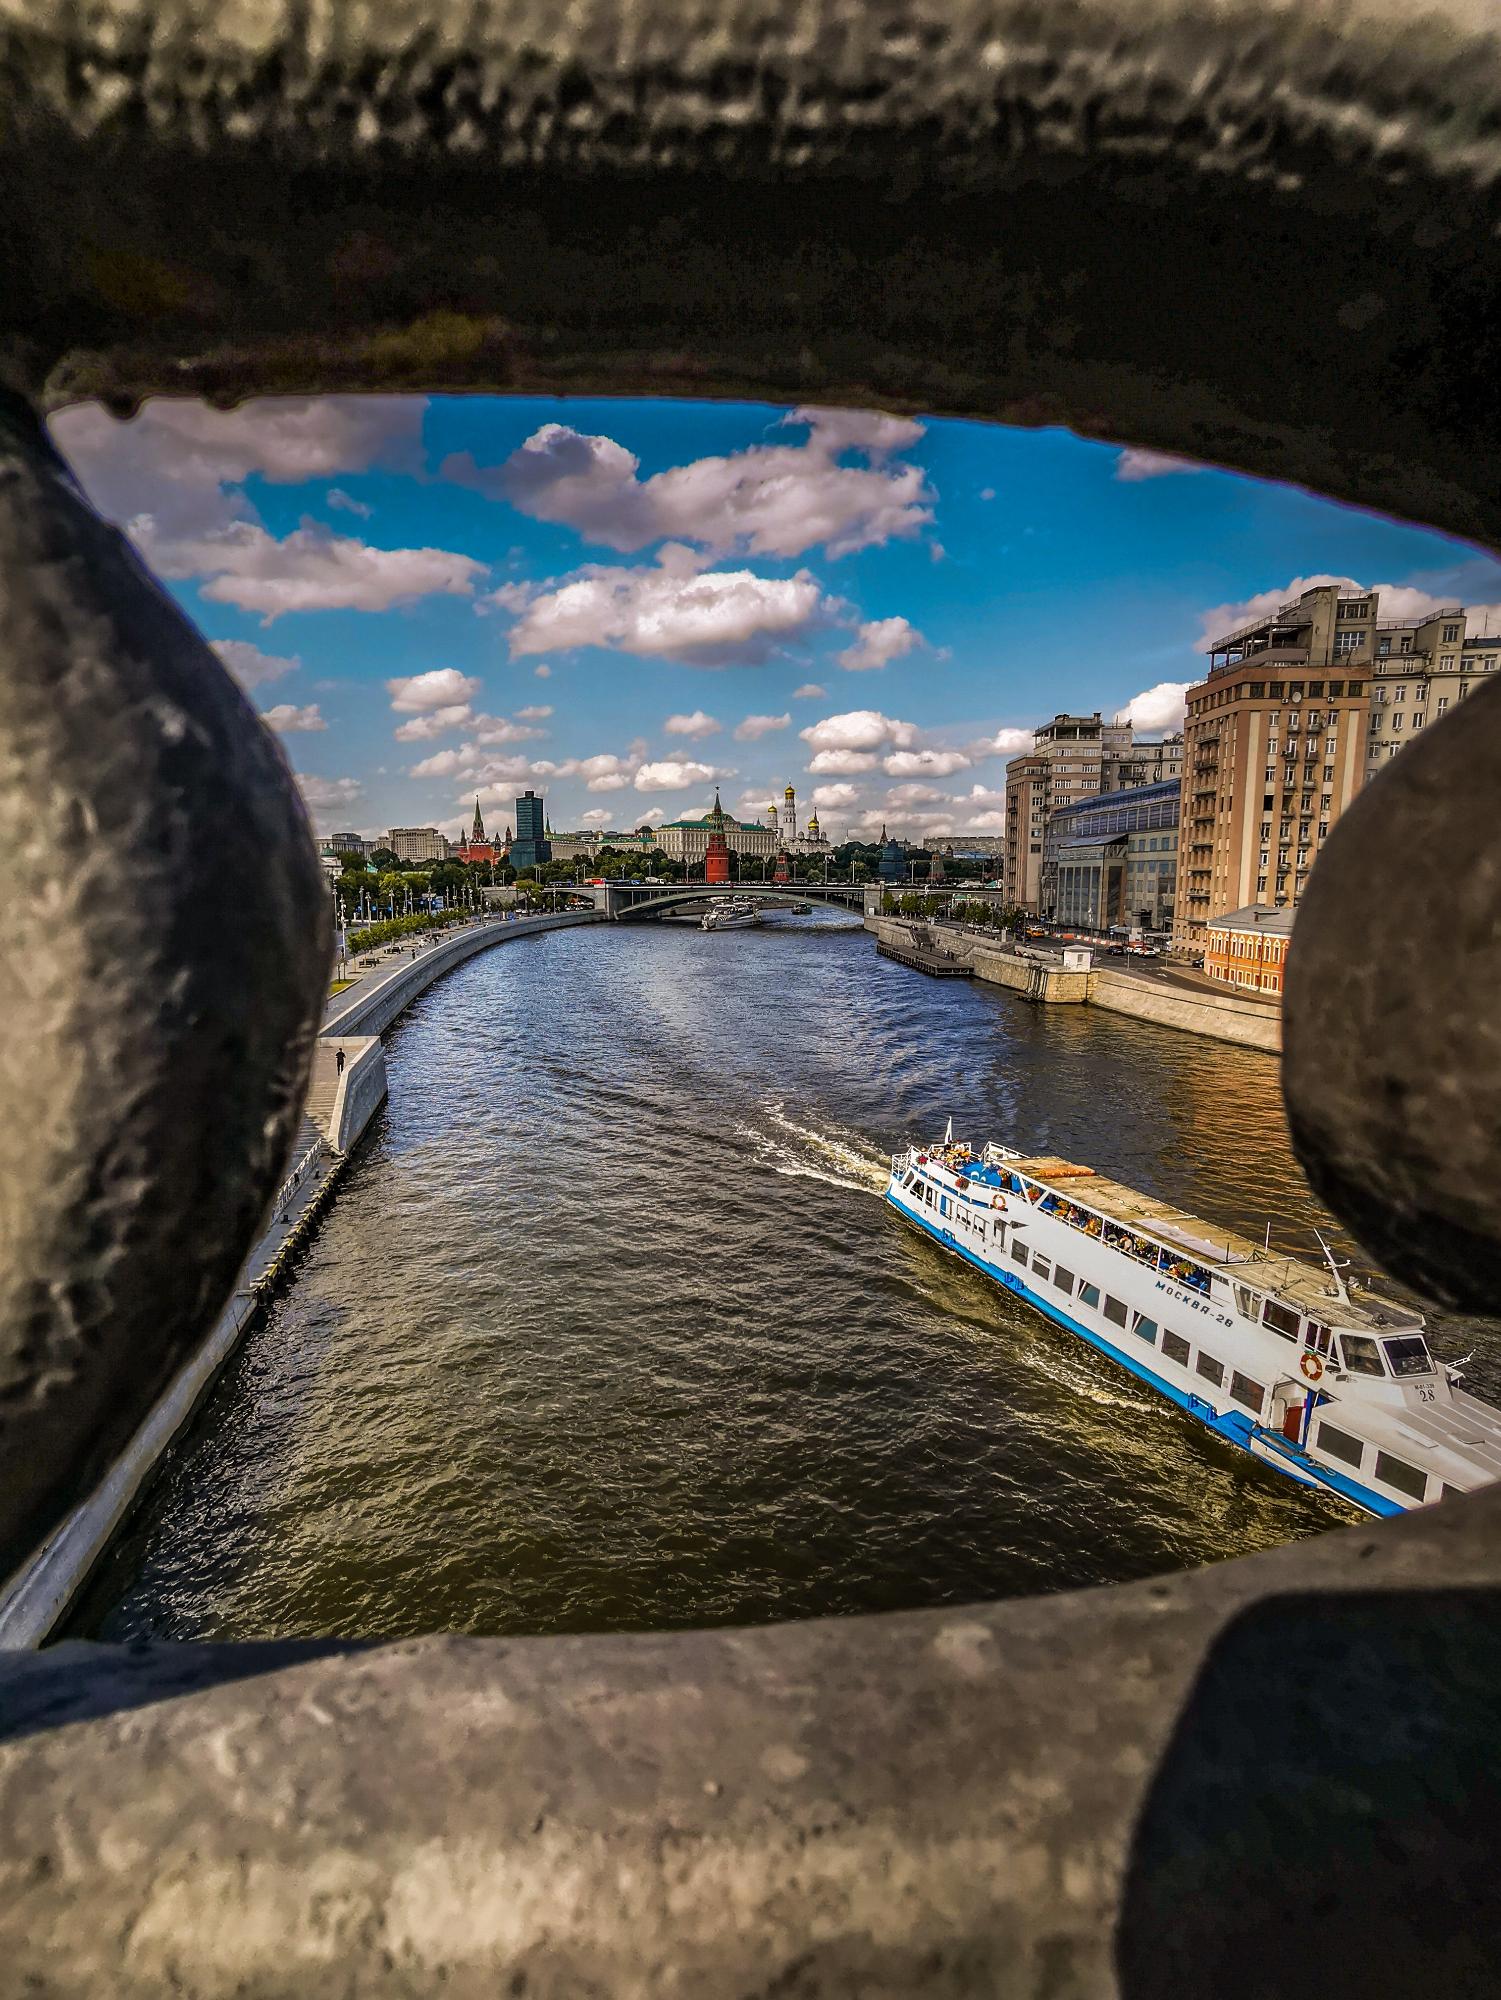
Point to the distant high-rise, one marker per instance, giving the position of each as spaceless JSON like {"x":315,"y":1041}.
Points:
{"x":531,"y":844}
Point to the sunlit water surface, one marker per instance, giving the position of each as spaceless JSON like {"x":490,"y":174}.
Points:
{"x":609,"y":1326}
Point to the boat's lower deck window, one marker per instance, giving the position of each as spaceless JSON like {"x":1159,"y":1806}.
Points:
{"x":1339,"y":1444}
{"x":1212,"y":1370}
{"x":1018,"y":1250}
{"x":1175,"y":1347}
{"x":1064,"y":1280}
{"x":1244,"y":1390}
{"x":1042,"y":1265}
{"x":1397,"y":1472}
{"x":1115,"y":1310}
{"x":1452,"y":1492}
{"x":1089,"y":1295}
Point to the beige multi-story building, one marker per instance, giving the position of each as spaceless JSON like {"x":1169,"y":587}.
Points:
{"x":1072,"y":757}
{"x":1423,"y":668}
{"x":417,"y":843}
{"x":1274,"y":750}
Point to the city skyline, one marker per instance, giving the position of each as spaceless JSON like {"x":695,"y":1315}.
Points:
{"x":623,"y":604}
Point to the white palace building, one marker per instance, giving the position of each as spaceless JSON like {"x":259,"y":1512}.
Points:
{"x":687,"y":840}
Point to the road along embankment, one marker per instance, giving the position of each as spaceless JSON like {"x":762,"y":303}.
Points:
{"x":342,"y":1100}
{"x":1224,"y":1017}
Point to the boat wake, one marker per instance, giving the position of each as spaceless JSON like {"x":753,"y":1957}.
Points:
{"x":801,"y":1152}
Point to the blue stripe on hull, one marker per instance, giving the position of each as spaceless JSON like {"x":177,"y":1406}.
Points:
{"x":1231,"y":1426}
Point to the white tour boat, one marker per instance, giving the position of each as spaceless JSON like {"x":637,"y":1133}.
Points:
{"x":731,"y":913}
{"x":1272,"y":1354}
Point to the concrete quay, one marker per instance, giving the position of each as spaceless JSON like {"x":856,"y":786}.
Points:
{"x":340,"y":1105}
{"x":1169,"y":1001}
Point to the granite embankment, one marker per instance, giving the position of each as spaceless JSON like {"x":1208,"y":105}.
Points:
{"x":1169,"y":999}
{"x":342,"y":1100}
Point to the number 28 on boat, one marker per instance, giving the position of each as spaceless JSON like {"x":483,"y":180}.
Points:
{"x":1272,"y":1354}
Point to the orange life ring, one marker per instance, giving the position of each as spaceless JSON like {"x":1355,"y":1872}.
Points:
{"x":1000,"y":1203}
{"x":1311,"y":1365}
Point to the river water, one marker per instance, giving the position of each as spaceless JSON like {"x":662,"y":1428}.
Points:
{"x":608,"y":1326}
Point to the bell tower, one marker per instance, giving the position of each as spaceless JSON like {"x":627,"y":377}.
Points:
{"x":717,"y":855}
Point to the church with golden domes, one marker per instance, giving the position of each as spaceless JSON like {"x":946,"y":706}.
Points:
{"x":782,"y":821}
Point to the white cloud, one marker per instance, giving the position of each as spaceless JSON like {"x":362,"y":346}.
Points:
{"x":1398,"y":600}
{"x":771,"y":499}
{"x":448,"y":763}
{"x":675,"y":775}
{"x":328,"y":799}
{"x":440,"y":687}
{"x":828,"y":763}
{"x":436,"y":722}
{"x":250,"y":666}
{"x":1009,"y":742}
{"x":596,"y":816}
{"x":670,"y":611}
{"x":835,"y":798}
{"x":878,"y":643}
{"x":695,"y":725}
{"x":987,"y":493}
{"x":1138,"y":463}
{"x":859,"y":729}
{"x":984,"y":795}
{"x":1157,"y":709}
{"x":494,"y":729}
{"x":925,"y":763}
{"x":543,"y":673}
{"x":809,"y":691}
{"x":903,"y":796}
{"x":987,"y":822}
{"x":753,"y":727}
{"x":288,"y":720}
{"x":311,"y":569}
{"x":346,"y":503}
{"x":538,"y":713}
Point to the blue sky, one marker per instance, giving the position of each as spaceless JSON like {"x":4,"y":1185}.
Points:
{"x":625,"y":603}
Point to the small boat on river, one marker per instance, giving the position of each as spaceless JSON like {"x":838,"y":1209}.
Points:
{"x":731,"y":913}
{"x":1332,"y":1386}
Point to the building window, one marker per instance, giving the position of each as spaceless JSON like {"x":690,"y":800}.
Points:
{"x":1346,"y":643}
{"x":1396,"y":723}
{"x":1417,"y":720}
{"x":1449,"y":635}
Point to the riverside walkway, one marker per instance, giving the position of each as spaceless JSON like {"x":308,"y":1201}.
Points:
{"x":342,"y":1100}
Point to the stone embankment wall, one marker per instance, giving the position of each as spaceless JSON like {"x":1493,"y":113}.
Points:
{"x":1224,"y":1017}
{"x":372,"y":1012}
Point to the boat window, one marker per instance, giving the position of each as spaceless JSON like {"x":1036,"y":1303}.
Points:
{"x":1212,"y":1370}
{"x":1244,"y":1390}
{"x":1362,"y":1356}
{"x":1281,"y":1319}
{"x":1245,"y":1301}
{"x":1115,"y":1310}
{"x":1041,"y":1265}
{"x":927,"y":1194}
{"x":1339,"y":1444}
{"x":1397,"y":1472}
{"x":1064,"y":1280}
{"x":1146,"y":1328}
{"x":1317,"y":1336}
{"x":1409,"y":1355}
{"x":1452,"y":1492}
{"x":1089,"y":1295}
{"x":1018,"y":1250}
{"x":1175,"y":1347}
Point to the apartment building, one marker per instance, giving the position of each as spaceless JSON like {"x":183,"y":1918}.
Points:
{"x":417,"y":843}
{"x":1274,"y":749}
{"x":1066,"y":763}
{"x":1423,"y":668}
{"x":1141,"y":763}
{"x":1113,"y":859}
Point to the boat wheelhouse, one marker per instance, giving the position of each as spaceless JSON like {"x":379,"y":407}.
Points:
{"x":1337,"y":1389}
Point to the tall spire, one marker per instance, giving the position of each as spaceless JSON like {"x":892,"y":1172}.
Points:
{"x":477,"y":831}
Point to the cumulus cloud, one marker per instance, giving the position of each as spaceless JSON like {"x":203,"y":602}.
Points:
{"x":1009,"y":742}
{"x":328,"y":798}
{"x":835,"y":798}
{"x":670,"y":611}
{"x":695,"y":725}
{"x":1157,"y":709}
{"x":859,"y":729}
{"x":674,"y":774}
{"x":537,"y":713}
{"x":250,"y":666}
{"x":288,"y":720}
{"x":439,"y":687}
{"x":828,"y":763}
{"x":878,"y":643}
{"x":925,"y":763}
{"x":436,"y":722}
{"x":770,"y":500}
{"x":904,"y":796}
{"x":809,"y":691}
{"x":1137,"y":463}
{"x":543,"y":672}
{"x":755,"y":726}
{"x":596,"y":816}
{"x":174,"y":478}
{"x":345,"y":503}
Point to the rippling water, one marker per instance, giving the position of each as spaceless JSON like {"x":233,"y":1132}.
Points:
{"x":609,"y":1327}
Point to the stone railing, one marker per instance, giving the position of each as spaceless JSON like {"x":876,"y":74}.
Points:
{"x":1267,"y":1777}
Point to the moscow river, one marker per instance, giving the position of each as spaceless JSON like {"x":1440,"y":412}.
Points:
{"x":608,"y":1326}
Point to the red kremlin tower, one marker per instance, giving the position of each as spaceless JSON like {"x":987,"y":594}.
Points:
{"x":783,"y":868}
{"x":717,"y":859}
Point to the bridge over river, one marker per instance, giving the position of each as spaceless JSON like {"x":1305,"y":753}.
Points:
{"x":629,"y":902}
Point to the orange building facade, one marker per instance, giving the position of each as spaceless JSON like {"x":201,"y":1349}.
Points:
{"x":1248,"y":948}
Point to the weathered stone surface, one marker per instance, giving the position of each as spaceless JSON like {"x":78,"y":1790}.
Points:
{"x":162,"y":963}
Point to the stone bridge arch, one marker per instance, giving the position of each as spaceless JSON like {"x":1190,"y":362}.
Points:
{"x":1116,"y":217}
